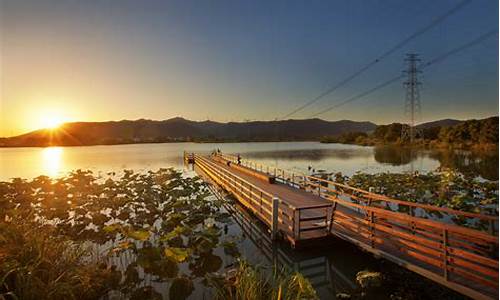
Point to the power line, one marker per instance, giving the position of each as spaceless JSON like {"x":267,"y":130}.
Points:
{"x":431,"y":62}
{"x":376,"y":88}
{"x":444,"y":56}
{"x":390,"y":51}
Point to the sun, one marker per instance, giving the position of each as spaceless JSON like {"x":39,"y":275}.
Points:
{"x":50,"y":120}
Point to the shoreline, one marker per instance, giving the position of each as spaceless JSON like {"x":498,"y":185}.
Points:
{"x":431,"y":145}
{"x":152,"y":142}
{"x":426,"y":146}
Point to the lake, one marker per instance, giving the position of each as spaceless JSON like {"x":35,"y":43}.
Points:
{"x":331,"y":269}
{"x":348,"y":159}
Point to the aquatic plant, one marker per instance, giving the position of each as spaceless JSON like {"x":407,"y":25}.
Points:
{"x":252,"y":283}
{"x":137,"y":228}
{"x":443,"y":188}
{"x":369,"y":279}
{"x":36,"y":264}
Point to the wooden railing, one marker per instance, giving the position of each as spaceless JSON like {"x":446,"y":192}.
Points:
{"x":316,"y":271}
{"x":320,"y":186}
{"x":257,"y":200}
{"x":291,"y":221}
{"x":462,"y":258}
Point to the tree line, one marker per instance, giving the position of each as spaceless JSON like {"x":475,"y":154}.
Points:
{"x":470,"y":133}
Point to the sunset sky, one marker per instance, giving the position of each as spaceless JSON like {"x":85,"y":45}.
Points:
{"x":235,"y":60}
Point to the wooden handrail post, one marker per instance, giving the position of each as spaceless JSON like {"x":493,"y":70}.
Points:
{"x":372,"y":228}
{"x":445,"y":251}
{"x":334,"y":207}
{"x":274,"y":232}
{"x":251,"y":195}
{"x":261,"y":201}
{"x":298,"y":226}
{"x":326,"y":219}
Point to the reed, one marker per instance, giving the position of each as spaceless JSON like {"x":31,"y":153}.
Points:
{"x":35,"y":263}
{"x":254,"y":283}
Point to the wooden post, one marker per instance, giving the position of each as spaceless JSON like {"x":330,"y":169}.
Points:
{"x":274,"y":232}
{"x":251,"y":195}
{"x":298,"y":226}
{"x":334,"y":207}
{"x":260,"y":202}
{"x":372,"y":228}
{"x":445,"y":251}
{"x":326,"y":219}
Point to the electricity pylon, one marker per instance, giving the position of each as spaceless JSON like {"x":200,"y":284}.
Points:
{"x":412,"y":102}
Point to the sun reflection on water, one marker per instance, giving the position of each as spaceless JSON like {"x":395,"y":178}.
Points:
{"x":52,"y":161}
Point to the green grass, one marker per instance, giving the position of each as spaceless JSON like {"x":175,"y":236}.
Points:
{"x":37,"y":264}
{"x":252,"y":283}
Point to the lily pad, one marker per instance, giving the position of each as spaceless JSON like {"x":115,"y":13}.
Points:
{"x":140,"y":235}
{"x":177,"y":254}
{"x":181,"y":288}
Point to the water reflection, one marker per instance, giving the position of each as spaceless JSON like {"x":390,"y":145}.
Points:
{"x":394,"y":156}
{"x":331,"y":269}
{"x":312,"y":155}
{"x":348,"y":159}
{"x":482,"y":164}
{"x":470,"y":163}
{"x":52,"y":161}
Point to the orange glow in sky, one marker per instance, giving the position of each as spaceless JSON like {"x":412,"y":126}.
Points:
{"x":50,"y":119}
{"x":93,"y":61}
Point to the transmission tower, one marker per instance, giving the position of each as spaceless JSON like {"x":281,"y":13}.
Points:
{"x":412,"y":102}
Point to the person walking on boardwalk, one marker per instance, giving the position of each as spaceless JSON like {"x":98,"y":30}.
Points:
{"x":239,"y":159}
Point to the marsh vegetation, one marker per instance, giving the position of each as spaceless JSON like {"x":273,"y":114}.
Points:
{"x":121,"y":236}
{"x":164,"y":235}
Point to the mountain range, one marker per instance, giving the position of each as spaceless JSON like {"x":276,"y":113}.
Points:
{"x":181,"y":130}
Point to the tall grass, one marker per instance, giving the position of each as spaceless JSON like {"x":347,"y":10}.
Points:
{"x":35,"y":263}
{"x":252,"y":283}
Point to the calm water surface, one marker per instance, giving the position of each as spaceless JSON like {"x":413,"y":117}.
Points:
{"x":55,"y":161}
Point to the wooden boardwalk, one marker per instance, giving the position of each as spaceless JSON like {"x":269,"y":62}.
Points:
{"x":309,"y":209}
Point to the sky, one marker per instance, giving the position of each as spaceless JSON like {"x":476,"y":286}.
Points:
{"x":236,"y":60}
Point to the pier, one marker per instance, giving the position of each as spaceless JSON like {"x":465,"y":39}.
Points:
{"x":307,"y":210}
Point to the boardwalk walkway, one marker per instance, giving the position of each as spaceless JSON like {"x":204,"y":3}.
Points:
{"x":308,"y":209}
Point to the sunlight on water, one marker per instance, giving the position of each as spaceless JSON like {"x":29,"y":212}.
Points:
{"x":296,"y":156}
{"x":52,"y":161}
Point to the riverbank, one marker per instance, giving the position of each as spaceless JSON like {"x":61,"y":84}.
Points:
{"x":468,"y":135}
{"x":426,"y":144}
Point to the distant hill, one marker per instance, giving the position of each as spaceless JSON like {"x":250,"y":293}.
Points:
{"x":179,"y":129}
{"x":440,"y":123}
